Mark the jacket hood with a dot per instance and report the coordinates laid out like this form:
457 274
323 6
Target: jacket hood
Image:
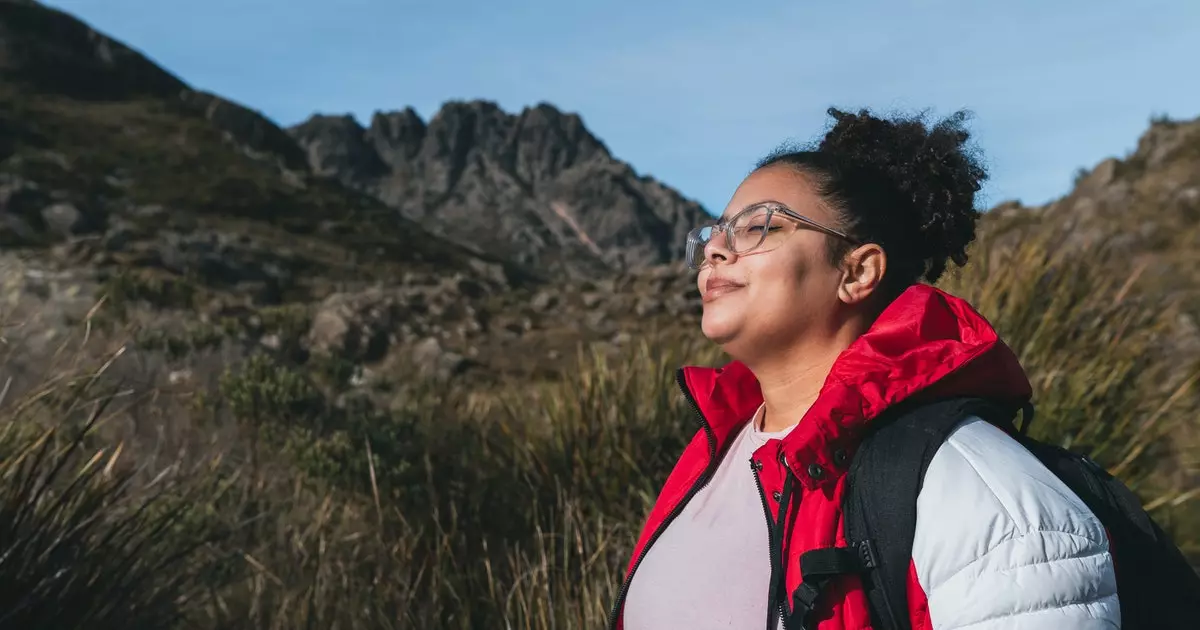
927 344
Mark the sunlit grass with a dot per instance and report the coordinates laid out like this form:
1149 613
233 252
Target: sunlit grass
281 507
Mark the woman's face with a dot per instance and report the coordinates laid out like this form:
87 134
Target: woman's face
771 297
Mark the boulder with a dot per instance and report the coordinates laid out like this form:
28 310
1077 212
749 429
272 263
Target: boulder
431 359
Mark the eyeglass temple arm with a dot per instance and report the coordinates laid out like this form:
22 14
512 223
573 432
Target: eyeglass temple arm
808 221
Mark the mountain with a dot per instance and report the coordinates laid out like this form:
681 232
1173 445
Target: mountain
536 187
200 223
132 157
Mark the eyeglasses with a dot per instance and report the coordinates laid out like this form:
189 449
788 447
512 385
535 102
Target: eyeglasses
757 227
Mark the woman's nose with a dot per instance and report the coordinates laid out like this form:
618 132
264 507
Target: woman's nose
717 249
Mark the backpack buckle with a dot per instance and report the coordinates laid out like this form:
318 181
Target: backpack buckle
804 599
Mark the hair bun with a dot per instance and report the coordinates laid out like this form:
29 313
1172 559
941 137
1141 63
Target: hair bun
929 170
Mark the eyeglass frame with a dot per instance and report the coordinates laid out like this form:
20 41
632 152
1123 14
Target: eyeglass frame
693 235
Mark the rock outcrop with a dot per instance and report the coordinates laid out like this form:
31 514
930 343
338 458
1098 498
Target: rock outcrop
536 187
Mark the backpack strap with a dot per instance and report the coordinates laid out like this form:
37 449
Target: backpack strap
818 567
880 506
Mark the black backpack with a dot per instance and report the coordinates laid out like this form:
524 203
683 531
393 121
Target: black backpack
1156 586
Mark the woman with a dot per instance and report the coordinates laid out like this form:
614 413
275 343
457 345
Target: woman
811 283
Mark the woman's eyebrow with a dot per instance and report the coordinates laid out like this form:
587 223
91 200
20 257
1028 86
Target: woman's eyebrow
764 202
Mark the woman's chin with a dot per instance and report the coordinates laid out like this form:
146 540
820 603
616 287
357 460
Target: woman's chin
719 330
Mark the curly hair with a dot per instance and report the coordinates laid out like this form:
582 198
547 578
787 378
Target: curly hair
904 185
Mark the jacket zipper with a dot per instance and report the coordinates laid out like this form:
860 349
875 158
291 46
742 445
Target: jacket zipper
776 602
697 486
774 612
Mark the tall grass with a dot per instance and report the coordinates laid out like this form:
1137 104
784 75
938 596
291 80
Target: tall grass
295 507
1101 354
77 547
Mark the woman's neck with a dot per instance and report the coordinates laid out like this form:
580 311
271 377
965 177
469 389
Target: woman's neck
792 382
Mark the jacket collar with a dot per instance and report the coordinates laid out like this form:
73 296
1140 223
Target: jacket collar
927 344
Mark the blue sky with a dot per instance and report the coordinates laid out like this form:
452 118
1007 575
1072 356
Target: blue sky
692 92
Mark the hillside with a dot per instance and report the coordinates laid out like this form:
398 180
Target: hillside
200 219
99 142
1145 205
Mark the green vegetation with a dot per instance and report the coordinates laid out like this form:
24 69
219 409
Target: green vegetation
267 499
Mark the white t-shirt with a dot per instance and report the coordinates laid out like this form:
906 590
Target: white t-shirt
716 550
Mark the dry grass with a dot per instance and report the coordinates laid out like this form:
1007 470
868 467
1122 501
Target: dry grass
272 503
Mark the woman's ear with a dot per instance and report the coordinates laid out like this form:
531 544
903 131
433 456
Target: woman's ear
862 271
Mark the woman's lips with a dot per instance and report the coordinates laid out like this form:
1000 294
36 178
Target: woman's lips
716 286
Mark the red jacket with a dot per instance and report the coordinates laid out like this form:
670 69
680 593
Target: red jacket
925 344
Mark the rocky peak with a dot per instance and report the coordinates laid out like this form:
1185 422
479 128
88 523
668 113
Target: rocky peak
536 145
396 136
536 186
1158 181
1160 175
338 144
1169 140
548 142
